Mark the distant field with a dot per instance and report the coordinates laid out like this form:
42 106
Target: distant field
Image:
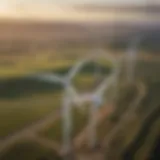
31 65
22 66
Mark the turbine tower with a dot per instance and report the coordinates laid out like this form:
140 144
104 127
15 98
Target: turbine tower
97 98
131 57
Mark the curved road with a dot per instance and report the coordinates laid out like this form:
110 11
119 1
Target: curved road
30 132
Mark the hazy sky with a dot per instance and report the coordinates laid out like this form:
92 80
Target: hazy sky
57 9
119 2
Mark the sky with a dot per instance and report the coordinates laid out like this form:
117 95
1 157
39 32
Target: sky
59 9
71 2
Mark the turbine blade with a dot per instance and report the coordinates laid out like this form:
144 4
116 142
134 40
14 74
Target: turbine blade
131 56
133 46
76 68
105 84
47 77
71 91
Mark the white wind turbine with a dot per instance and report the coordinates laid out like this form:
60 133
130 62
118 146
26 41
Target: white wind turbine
131 57
69 97
96 98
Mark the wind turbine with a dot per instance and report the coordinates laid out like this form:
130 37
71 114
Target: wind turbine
96 98
69 97
131 55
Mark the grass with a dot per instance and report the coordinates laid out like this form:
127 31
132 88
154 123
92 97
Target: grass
146 134
151 99
16 114
133 126
27 65
104 128
148 70
145 150
29 151
54 131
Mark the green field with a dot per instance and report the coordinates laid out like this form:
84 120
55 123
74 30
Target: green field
16 114
54 132
29 151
